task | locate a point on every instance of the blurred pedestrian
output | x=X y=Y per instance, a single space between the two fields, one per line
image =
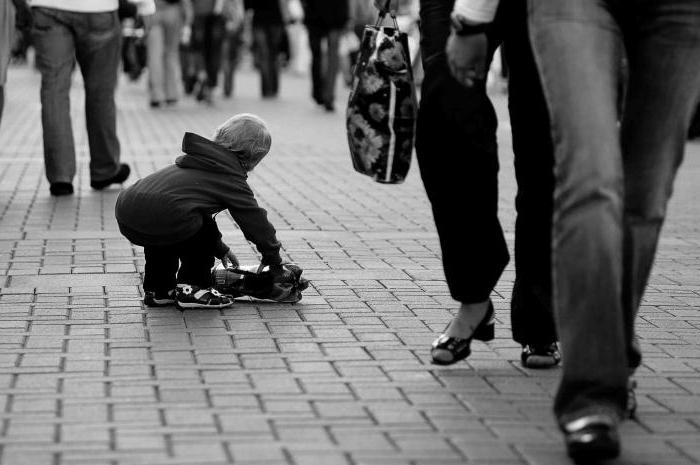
x=14 y=17
x=87 y=31
x=163 y=39
x=231 y=51
x=325 y=20
x=211 y=20
x=269 y=34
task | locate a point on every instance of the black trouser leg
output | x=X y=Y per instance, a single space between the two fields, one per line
x=315 y=38
x=197 y=255
x=457 y=153
x=2 y=101
x=532 y=317
x=160 y=269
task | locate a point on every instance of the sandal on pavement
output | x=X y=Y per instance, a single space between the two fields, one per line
x=540 y=355
x=196 y=297
x=460 y=348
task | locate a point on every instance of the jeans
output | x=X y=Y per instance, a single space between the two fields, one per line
x=61 y=37
x=230 y=57
x=612 y=184
x=458 y=157
x=194 y=257
x=268 y=40
x=163 y=53
x=325 y=63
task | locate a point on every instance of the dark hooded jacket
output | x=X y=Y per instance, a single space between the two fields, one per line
x=168 y=206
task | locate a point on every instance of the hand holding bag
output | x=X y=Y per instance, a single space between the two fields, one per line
x=382 y=107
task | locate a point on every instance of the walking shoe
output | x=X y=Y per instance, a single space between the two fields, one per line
x=540 y=355
x=592 y=438
x=460 y=348
x=123 y=173
x=195 y=297
x=159 y=298
x=61 y=188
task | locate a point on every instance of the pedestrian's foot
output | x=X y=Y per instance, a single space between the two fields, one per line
x=540 y=355
x=171 y=101
x=155 y=104
x=631 y=409
x=58 y=189
x=159 y=298
x=120 y=177
x=472 y=322
x=188 y=296
x=591 y=438
x=329 y=107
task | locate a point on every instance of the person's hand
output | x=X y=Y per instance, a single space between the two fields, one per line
x=387 y=6
x=230 y=260
x=466 y=57
x=186 y=35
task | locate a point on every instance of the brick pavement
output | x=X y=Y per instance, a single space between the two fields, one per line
x=89 y=376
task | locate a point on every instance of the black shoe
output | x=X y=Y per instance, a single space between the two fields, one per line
x=460 y=348
x=58 y=189
x=120 y=177
x=591 y=438
x=159 y=298
x=540 y=355
x=329 y=107
x=171 y=102
x=155 y=104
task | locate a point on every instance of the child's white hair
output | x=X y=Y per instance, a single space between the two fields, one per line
x=245 y=133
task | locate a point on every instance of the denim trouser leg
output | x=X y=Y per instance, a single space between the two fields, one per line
x=457 y=153
x=664 y=85
x=576 y=46
x=267 y=40
x=332 y=65
x=155 y=51
x=98 y=41
x=55 y=59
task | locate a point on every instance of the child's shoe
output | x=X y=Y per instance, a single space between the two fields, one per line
x=159 y=298
x=196 y=297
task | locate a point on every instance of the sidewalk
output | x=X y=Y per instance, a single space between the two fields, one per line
x=89 y=376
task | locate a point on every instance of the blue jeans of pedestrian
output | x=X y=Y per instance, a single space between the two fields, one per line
x=458 y=156
x=60 y=37
x=612 y=182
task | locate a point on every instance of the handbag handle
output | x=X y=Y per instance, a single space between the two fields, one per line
x=382 y=15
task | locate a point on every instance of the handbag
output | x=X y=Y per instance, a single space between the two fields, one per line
x=382 y=106
x=260 y=282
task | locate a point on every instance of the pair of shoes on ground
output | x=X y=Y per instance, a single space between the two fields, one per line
x=532 y=356
x=58 y=189
x=188 y=297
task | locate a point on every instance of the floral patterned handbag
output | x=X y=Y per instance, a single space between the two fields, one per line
x=382 y=107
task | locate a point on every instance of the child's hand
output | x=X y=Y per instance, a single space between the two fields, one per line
x=230 y=260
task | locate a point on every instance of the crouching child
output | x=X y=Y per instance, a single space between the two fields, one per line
x=171 y=214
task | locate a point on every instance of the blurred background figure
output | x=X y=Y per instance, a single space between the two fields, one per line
x=269 y=40
x=325 y=20
x=212 y=18
x=163 y=39
x=231 y=48
x=298 y=40
x=14 y=13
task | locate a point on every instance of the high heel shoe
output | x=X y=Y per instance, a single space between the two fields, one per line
x=460 y=348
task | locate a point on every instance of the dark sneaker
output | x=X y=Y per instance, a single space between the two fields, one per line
x=196 y=297
x=540 y=355
x=159 y=298
x=61 y=188
x=120 y=177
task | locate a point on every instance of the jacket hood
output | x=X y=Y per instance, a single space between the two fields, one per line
x=203 y=154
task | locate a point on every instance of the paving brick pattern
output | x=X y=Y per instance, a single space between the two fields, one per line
x=88 y=376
